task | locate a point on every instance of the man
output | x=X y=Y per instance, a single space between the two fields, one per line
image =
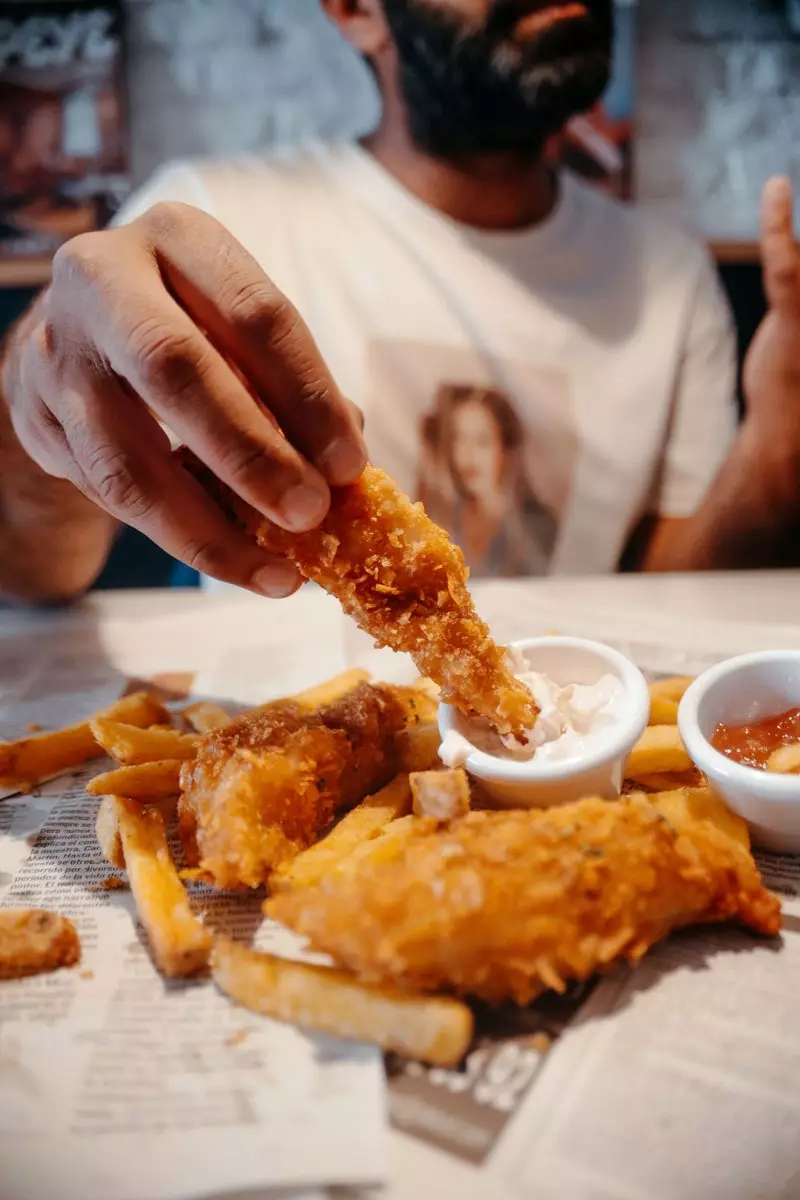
x=440 y=258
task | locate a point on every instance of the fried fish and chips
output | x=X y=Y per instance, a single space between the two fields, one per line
x=149 y=781
x=33 y=941
x=418 y=747
x=437 y=1030
x=31 y=760
x=361 y=824
x=785 y=760
x=264 y=788
x=665 y=696
x=504 y=905
x=205 y=716
x=131 y=746
x=179 y=942
x=658 y=751
x=398 y=575
x=443 y=795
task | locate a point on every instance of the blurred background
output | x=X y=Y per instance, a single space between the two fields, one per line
x=704 y=106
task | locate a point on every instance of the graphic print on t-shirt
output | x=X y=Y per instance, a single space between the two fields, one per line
x=489 y=448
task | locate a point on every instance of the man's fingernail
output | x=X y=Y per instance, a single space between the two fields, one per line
x=276 y=580
x=303 y=507
x=342 y=461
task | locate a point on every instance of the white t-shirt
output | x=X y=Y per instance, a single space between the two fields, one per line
x=541 y=390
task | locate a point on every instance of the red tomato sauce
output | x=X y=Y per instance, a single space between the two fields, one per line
x=753 y=744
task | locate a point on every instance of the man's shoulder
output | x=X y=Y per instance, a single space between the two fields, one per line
x=284 y=165
x=658 y=239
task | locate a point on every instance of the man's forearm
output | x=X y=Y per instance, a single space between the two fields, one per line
x=750 y=517
x=53 y=541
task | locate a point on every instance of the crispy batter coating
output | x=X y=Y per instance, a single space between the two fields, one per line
x=262 y=788
x=33 y=940
x=398 y=575
x=508 y=904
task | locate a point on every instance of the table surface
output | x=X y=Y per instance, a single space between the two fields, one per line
x=305 y=639
x=762 y=596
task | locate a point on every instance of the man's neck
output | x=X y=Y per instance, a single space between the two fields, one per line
x=495 y=192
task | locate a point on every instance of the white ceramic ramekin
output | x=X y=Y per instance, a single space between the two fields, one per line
x=541 y=784
x=747 y=689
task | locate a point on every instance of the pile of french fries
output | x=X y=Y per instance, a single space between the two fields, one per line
x=137 y=806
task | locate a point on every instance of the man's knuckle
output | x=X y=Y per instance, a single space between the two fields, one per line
x=164 y=358
x=205 y=557
x=113 y=477
x=256 y=307
x=82 y=259
x=165 y=217
x=245 y=465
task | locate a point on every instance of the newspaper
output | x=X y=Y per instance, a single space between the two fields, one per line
x=676 y=1081
x=114 y=1081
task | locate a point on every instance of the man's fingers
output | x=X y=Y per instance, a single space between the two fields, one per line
x=254 y=325
x=152 y=343
x=781 y=258
x=120 y=458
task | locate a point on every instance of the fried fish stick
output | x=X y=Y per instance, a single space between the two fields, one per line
x=398 y=575
x=265 y=787
x=506 y=905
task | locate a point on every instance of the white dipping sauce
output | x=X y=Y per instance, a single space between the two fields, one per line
x=573 y=721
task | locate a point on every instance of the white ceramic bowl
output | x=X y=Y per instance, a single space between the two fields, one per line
x=541 y=784
x=749 y=688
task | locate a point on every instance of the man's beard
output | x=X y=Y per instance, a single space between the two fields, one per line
x=471 y=92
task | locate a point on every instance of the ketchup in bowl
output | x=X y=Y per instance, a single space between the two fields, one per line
x=752 y=744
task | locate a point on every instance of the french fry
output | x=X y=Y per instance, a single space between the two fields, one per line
x=785 y=760
x=418 y=747
x=33 y=941
x=106 y=828
x=658 y=750
x=148 y=781
x=443 y=795
x=701 y=804
x=663 y=711
x=179 y=942
x=331 y=690
x=31 y=760
x=130 y=746
x=670 y=781
x=359 y=825
x=435 y=1029
x=672 y=688
x=205 y=716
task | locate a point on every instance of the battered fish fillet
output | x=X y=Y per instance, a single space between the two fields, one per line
x=398 y=575
x=506 y=905
x=262 y=788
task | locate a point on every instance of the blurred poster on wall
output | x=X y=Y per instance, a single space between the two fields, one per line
x=63 y=134
x=599 y=145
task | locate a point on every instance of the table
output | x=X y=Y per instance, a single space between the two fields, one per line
x=277 y=647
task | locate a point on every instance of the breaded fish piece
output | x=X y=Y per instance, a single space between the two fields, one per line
x=263 y=788
x=505 y=905
x=398 y=575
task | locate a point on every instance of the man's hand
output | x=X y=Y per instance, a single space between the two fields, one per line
x=751 y=515
x=170 y=320
x=772 y=367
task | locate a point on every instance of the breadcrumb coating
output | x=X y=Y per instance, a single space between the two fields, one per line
x=263 y=788
x=398 y=575
x=505 y=905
